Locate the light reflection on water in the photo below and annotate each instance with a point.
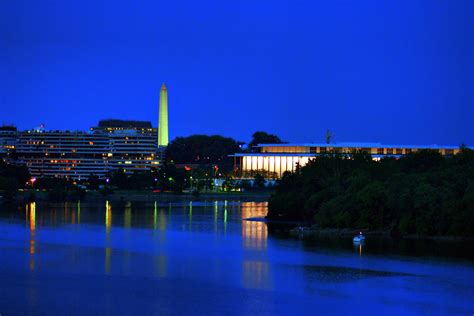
(254, 234)
(256, 273)
(32, 211)
(207, 248)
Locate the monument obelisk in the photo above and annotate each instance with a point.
(163, 118)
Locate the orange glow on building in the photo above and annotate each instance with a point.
(273, 160)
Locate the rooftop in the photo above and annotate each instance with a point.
(359, 145)
(124, 123)
(8, 128)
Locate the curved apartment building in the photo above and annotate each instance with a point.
(113, 145)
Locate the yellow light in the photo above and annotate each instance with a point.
(32, 216)
(108, 217)
(32, 234)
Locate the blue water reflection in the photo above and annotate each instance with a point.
(189, 257)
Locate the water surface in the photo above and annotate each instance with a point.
(191, 257)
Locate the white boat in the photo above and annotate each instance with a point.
(359, 238)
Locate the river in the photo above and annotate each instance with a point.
(201, 257)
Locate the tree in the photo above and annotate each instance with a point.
(20, 173)
(203, 149)
(171, 178)
(8, 187)
(372, 200)
(421, 193)
(245, 185)
(328, 136)
(119, 179)
(259, 181)
(264, 138)
(228, 185)
(94, 182)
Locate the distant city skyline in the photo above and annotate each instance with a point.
(370, 72)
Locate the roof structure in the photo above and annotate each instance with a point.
(359, 145)
(124, 123)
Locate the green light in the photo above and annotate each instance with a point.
(190, 211)
(215, 211)
(225, 220)
(155, 216)
(163, 117)
(108, 217)
(225, 215)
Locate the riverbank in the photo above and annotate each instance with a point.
(144, 196)
(173, 259)
(420, 194)
(315, 232)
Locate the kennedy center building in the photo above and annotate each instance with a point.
(274, 159)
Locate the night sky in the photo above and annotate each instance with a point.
(383, 71)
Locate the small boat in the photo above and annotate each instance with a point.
(359, 238)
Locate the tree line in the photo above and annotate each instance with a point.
(208, 155)
(421, 193)
(12, 178)
(215, 149)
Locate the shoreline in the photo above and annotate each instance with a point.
(294, 229)
(146, 196)
(298, 230)
(309, 233)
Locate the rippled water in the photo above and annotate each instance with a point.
(192, 257)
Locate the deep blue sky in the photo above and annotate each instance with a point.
(387, 71)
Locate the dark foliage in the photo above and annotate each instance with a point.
(60, 189)
(167, 178)
(259, 181)
(264, 138)
(93, 182)
(203, 149)
(422, 193)
(12, 178)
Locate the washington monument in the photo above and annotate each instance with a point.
(163, 117)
